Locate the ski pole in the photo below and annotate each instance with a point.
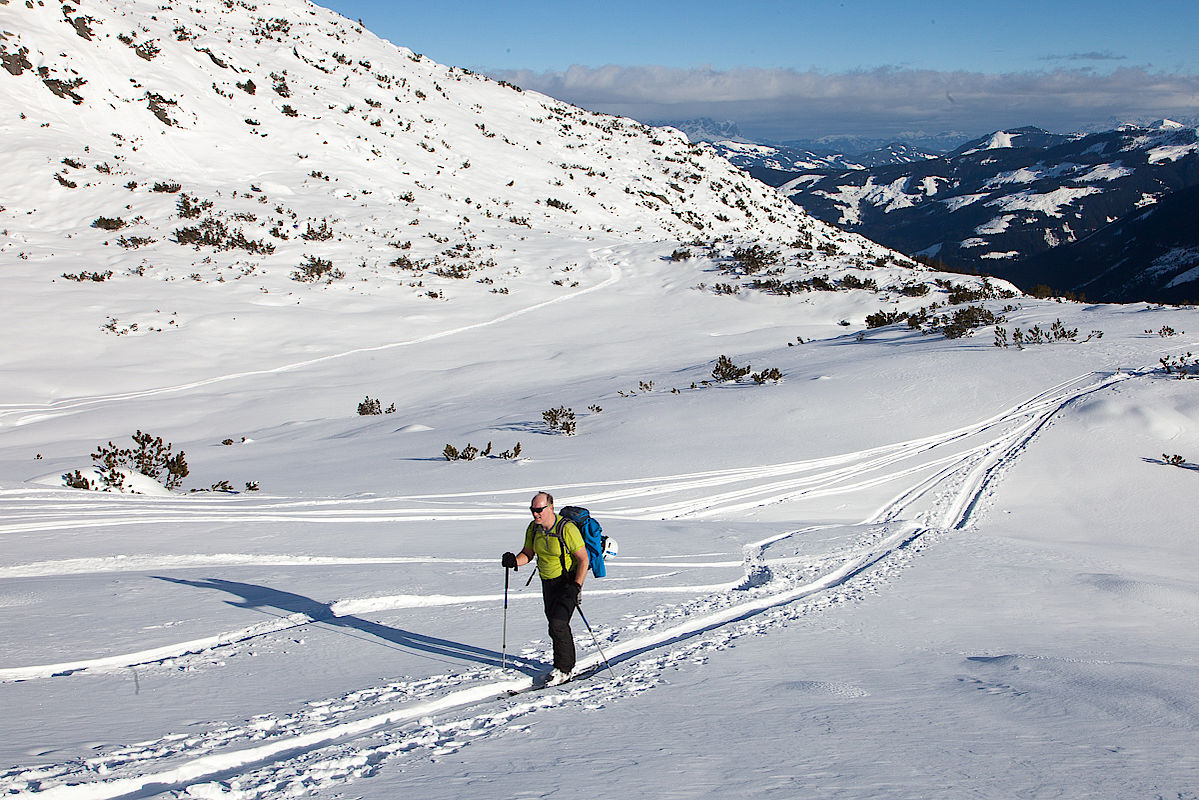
(597, 644)
(504, 646)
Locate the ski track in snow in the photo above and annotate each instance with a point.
(946, 478)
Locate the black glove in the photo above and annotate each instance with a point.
(509, 561)
(575, 591)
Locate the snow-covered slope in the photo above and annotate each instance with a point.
(295, 106)
(892, 560)
(277, 153)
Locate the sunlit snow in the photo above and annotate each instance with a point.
(911, 566)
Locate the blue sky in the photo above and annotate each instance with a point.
(786, 70)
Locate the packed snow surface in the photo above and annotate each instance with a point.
(910, 566)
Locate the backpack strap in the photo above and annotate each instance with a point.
(557, 531)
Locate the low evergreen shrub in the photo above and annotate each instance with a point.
(150, 456)
(314, 269)
(725, 370)
(560, 419)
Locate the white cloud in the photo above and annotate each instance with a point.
(787, 104)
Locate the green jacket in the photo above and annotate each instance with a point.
(548, 549)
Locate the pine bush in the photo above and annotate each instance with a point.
(150, 456)
(560, 419)
(725, 370)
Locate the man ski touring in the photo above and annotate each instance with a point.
(562, 570)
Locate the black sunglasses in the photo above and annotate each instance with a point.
(538, 510)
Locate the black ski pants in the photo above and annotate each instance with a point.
(559, 600)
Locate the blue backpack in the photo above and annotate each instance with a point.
(593, 537)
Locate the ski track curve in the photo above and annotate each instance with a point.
(691, 495)
(953, 473)
(819, 476)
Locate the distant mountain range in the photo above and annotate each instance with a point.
(705, 129)
(762, 160)
(1072, 211)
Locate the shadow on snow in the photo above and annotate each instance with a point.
(263, 597)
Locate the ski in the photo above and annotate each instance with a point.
(542, 681)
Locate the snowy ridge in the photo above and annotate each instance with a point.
(403, 121)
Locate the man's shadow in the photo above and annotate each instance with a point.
(263, 597)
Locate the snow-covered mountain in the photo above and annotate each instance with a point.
(277, 151)
(1026, 138)
(380, 302)
(751, 156)
(209, 138)
(1011, 196)
(892, 153)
